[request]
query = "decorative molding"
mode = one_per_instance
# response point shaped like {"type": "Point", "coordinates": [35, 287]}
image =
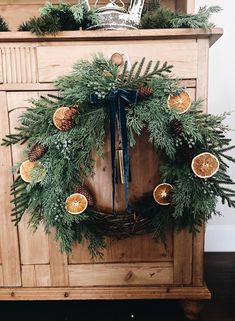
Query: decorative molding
{"type": "Point", "coordinates": [18, 65]}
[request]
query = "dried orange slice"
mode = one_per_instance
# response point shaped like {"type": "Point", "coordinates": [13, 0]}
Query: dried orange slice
{"type": "Point", "coordinates": [181, 102]}
{"type": "Point", "coordinates": [76, 203]}
{"type": "Point", "coordinates": [59, 115]}
{"type": "Point", "coordinates": [117, 59]}
{"type": "Point", "coordinates": [205, 165]}
{"type": "Point", "coordinates": [163, 193]}
{"type": "Point", "coordinates": [26, 171]}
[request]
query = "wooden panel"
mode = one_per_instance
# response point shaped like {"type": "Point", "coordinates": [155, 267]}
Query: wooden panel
{"type": "Point", "coordinates": [187, 6]}
{"type": "Point", "coordinates": [202, 79]}
{"type": "Point", "coordinates": [135, 249]}
{"type": "Point", "coordinates": [42, 275]}
{"type": "Point", "coordinates": [1, 276]}
{"type": "Point", "coordinates": [182, 257]}
{"type": "Point", "coordinates": [58, 263]}
{"type": "Point", "coordinates": [8, 234]}
{"type": "Point", "coordinates": [120, 274]}
{"type": "Point", "coordinates": [28, 275]}
{"type": "Point", "coordinates": [182, 54]}
{"type": "Point", "coordinates": [33, 246]}
{"type": "Point", "coordinates": [202, 91]}
{"type": "Point", "coordinates": [19, 64]}
{"type": "Point", "coordinates": [192, 92]}
{"type": "Point", "coordinates": [35, 275]}
{"type": "Point", "coordinates": [24, 12]}
{"type": "Point", "coordinates": [142, 181]}
{"type": "Point", "coordinates": [198, 258]}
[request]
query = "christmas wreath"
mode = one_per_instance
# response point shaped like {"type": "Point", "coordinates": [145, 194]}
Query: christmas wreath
{"type": "Point", "coordinates": [63, 132]}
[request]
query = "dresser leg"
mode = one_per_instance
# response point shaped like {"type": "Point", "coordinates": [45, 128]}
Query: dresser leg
{"type": "Point", "coordinates": [192, 309]}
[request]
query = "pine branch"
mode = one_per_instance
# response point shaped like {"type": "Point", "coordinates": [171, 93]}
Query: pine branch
{"type": "Point", "coordinates": [12, 139]}
{"type": "Point", "coordinates": [122, 77]}
{"type": "Point", "coordinates": [131, 72]}
{"type": "Point", "coordinates": [137, 74]}
{"type": "Point", "coordinates": [3, 25]}
{"type": "Point", "coordinates": [156, 17]}
{"type": "Point", "coordinates": [20, 199]}
{"type": "Point", "coordinates": [55, 18]}
{"type": "Point", "coordinates": [141, 77]}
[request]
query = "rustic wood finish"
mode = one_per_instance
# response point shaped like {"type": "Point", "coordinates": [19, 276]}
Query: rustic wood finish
{"type": "Point", "coordinates": [31, 266]}
{"type": "Point", "coordinates": [105, 293]}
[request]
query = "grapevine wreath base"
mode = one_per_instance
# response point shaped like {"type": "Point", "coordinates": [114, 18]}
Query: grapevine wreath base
{"type": "Point", "coordinates": [101, 97]}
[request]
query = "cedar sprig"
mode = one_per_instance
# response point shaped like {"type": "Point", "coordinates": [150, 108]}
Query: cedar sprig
{"type": "Point", "coordinates": [21, 199]}
{"type": "Point", "coordinates": [135, 79]}
{"type": "Point", "coordinates": [156, 17]}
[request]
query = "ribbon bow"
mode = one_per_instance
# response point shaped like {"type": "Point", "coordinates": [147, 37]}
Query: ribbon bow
{"type": "Point", "coordinates": [118, 99]}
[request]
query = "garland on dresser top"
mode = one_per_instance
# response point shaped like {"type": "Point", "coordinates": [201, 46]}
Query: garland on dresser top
{"type": "Point", "coordinates": [65, 16]}
{"type": "Point", "coordinates": [63, 132]}
{"type": "Point", "coordinates": [60, 17]}
{"type": "Point", "coordinates": [156, 17]}
{"type": "Point", "coordinates": [3, 25]}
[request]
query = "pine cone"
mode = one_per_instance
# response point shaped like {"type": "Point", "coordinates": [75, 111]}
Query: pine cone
{"type": "Point", "coordinates": [71, 112]}
{"type": "Point", "coordinates": [36, 152]}
{"type": "Point", "coordinates": [145, 92]}
{"type": "Point", "coordinates": [83, 190]}
{"type": "Point", "coordinates": [177, 127]}
{"type": "Point", "coordinates": [67, 122]}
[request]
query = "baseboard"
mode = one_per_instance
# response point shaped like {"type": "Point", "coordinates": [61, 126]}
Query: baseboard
{"type": "Point", "coordinates": [220, 238]}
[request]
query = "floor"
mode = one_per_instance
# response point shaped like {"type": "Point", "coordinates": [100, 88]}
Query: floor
{"type": "Point", "coordinates": [219, 275]}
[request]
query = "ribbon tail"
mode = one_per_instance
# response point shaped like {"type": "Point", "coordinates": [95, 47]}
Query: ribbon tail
{"type": "Point", "coordinates": [112, 118]}
{"type": "Point", "coordinates": [124, 136]}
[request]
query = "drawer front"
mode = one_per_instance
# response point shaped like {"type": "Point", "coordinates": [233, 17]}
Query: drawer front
{"type": "Point", "coordinates": [55, 61]}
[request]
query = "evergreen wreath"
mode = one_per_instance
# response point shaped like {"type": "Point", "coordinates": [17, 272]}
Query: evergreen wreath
{"type": "Point", "coordinates": [52, 180]}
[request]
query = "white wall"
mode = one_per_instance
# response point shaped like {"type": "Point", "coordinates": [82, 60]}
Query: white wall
{"type": "Point", "coordinates": [220, 231]}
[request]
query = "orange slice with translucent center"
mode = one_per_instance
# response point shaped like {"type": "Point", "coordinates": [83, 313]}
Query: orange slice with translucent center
{"type": "Point", "coordinates": [76, 203]}
{"type": "Point", "coordinates": [205, 165]}
{"type": "Point", "coordinates": [59, 116]}
{"type": "Point", "coordinates": [163, 193]}
{"type": "Point", "coordinates": [26, 171]}
{"type": "Point", "coordinates": [181, 102]}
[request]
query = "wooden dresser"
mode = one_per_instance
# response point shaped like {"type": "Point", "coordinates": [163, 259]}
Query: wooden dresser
{"type": "Point", "coordinates": [31, 266]}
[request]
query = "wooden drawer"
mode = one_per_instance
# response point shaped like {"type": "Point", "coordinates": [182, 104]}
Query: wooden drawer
{"type": "Point", "coordinates": [181, 54]}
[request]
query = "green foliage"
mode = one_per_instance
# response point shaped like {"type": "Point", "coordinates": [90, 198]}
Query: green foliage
{"type": "Point", "coordinates": [102, 76]}
{"type": "Point", "coordinates": [60, 17]}
{"type": "Point", "coordinates": [68, 160]}
{"type": "Point", "coordinates": [155, 17]}
{"type": "Point", "coordinates": [3, 25]}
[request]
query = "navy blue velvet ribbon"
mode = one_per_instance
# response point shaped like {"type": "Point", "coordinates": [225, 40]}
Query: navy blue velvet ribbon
{"type": "Point", "coordinates": [117, 100]}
